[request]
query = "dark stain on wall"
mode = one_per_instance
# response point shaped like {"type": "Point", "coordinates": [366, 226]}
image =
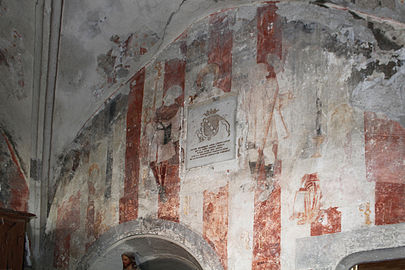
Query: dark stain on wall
{"type": "Point", "coordinates": [389, 69]}
{"type": "Point", "coordinates": [332, 44]}
{"type": "Point", "coordinates": [384, 43]}
{"type": "Point", "coordinates": [268, 169]}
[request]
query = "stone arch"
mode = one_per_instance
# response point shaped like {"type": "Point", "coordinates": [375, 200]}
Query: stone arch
{"type": "Point", "coordinates": [185, 241]}
{"type": "Point", "coordinates": [371, 256]}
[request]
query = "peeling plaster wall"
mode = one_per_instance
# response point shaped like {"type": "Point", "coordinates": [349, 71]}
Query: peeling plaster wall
{"type": "Point", "coordinates": [16, 78]}
{"type": "Point", "coordinates": [13, 185]}
{"type": "Point", "coordinates": [319, 135]}
{"type": "Point", "coordinates": [104, 43]}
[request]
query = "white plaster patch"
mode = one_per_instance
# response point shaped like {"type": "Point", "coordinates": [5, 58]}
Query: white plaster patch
{"type": "Point", "coordinates": [118, 169]}
{"type": "Point", "coordinates": [191, 209]}
{"type": "Point", "coordinates": [240, 227]}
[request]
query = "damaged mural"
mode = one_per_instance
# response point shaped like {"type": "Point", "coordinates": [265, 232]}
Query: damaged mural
{"type": "Point", "coordinates": [14, 190]}
{"type": "Point", "coordinates": [318, 137]}
{"type": "Point", "coordinates": [291, 116]}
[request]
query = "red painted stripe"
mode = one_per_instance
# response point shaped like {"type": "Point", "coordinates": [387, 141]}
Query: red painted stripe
{"type": "Point", "coordinates": [62, 251]}
{"type": "Point", "coordinates": [384, 155]}
{"type": "Point", "coordinates": [167, 172]}
{"type": "Point", "coordinates": [269, 36]}
{"type": "Point", "coordinates": [267, 216]}
{"type": "Point", "coordinates": [389, 203]}
{"type": "Point", "coordinates": [90, 213]}
{"type": "Point", "coordinates": [175, 74]}
{"type": "Point", "coordinates": [220, 50]}
{"type": "Point", "coordinates": [215, 218]}
{"type": "Point", "coordinates": [267, 230]}
{"type": "Point", "coordinates": [169, 199]}
{"type": "Point", "coordinates": [19, 192]}
{"type": "Point", "coordinates": [13, 155]}
{"type": "Point", "coordinates": [384, 149]}
{"type": "Point", "coordinates": [67, 221]}
{"type": "Point", "coordinates": [129, 202]}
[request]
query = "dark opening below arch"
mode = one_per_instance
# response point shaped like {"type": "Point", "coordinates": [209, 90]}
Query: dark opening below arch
{"type": "Point", "coordinates": [159, 244]}
{"type": "Point", "coordinates": [152, 252]}
{"type": "Point", "coordinates": [371, 256]}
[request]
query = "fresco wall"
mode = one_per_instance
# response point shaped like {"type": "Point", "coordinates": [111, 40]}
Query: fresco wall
{"type": "Point", "coordinates": [319, 138]}
{"type": "Point", "coordinates": [17, 32]}
{"type": "Point", "coordinates": [14, 191]}
{"type": "Point", "coordinates": [16, 62]}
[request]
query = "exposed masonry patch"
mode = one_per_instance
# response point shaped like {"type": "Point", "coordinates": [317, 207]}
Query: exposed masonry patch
{"type": "Point", "coordinates": [337, 44]}
{"type": "Point", "coordinates": [388, 69]}
{"type": "Point", "coordinates": [346, 26]}
{"type": "Point", "coordinates": [384, 43]}
{"type": "Point", "coordinates": [382, 95]}
{"type": "Point", "coordinates": [374, 48]}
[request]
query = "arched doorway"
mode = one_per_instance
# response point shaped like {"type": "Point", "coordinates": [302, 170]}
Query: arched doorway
{"type": "Point", "coordinates": [159, 244]}
{"type": "Point", "coordinates": [152, 253]}
{"type": "Point", "coordinates": [373, 256]}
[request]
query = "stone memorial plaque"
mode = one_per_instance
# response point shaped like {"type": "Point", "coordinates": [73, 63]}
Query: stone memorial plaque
{"type": "Point", "coordinates": [211, 132]}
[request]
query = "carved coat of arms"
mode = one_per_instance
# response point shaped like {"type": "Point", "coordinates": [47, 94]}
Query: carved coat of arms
{"type": "Point", "coordinates": [210, 125]}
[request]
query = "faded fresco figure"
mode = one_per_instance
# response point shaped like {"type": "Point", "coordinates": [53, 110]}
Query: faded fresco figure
{"type": "Point", "coordinates": [129, 261]}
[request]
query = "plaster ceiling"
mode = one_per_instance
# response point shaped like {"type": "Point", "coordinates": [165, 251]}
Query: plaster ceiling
{"type": "Point", "coordinates": [103, 43]}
